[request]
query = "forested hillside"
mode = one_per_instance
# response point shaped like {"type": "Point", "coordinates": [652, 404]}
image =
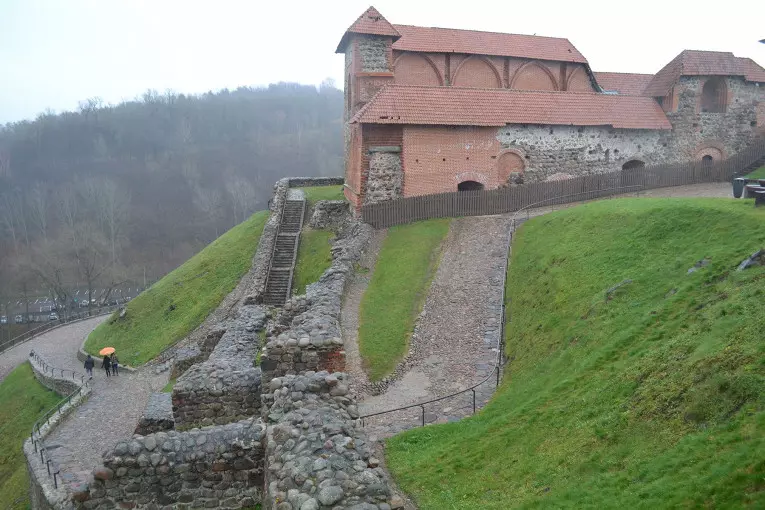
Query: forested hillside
{"type": "Point", "coordinates": [101, 194]}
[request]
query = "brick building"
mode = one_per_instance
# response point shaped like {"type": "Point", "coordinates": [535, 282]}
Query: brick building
{"type": "Point", "coordinates": [430, 110]}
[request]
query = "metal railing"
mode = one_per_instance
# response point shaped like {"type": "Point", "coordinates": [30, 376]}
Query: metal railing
{"type": "Point", "coordinates": [36, 435]}
{"type": "Point", "coordinates": [28, 335]}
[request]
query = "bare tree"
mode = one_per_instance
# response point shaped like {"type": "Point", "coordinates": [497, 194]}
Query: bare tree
{"type": "Point", "coordinates": [37, 200]}
{"type": "Point", "coordinates": [8, 217]}
{"type": "Point", "coordinates": [242, 196]}
{"type": "Point", "coordinates": [210, 203]}
{"type": "Point", "coordinates": [110, 205]}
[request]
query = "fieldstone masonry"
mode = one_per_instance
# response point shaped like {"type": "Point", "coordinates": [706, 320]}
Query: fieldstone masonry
{"type": "Point", "coordinates": [329, 214]}
{"type": "Point", "coordinates": [386, 177]}
{"type": "Point", "coordinates": [374, 55]}
{"type": "Point", "coordinates": [226, 387]}
{"type": "Point", "coordinates": [157, 416]}
{"type": "Point", "coordinates": [211, 467]}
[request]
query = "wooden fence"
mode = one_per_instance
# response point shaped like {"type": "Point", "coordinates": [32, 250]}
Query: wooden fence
{"type": "Point", "coordinates": [505, 200]}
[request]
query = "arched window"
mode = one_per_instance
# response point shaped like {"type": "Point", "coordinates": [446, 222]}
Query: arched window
{"type": "Point", "coordinates": [714, 96]}
{"type": "Point", "coordinates": [633, 164]}
{"type": "Point", "coordinates": [469, 186]}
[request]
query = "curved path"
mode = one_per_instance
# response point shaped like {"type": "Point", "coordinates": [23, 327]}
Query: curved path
{"type": "Point", "coordinates": [110, 414]}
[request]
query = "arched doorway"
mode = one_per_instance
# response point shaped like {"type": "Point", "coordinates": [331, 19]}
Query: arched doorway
{"type": "Point", "coordinates": [707, 160]}
{"type": "Point", "coordinates": [469, 186]}
{"type": "Point", "coordinates": [714, 95]}
{"type": "Point", "coordinates": [633, 164]}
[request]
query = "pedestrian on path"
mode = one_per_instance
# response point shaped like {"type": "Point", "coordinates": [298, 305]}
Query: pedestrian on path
{"type": "Point", "coordinates": [106, 365]}
{"type": "Point", "coordinates": [89, 364]}
{"type": "Point", "coordinates": [115, 364]}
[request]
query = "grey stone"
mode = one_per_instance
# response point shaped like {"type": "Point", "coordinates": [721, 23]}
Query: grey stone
{"type": "Point", "coordinates": [330, 495]}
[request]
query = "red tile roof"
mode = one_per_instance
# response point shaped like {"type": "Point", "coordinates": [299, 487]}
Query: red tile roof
{"type": "Point", "coordinates": [372, 23]}
{"type": "Point", "coordinates": [456, 106]}
{"type": "Point", "coordinates": [702, 63]}
{"type": "Point", "coordinates": [450, 40]}
{"type": "Point", "coordinates": [630, 84]}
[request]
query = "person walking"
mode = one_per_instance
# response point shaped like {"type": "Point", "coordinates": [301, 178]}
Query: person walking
{"type": "Point", "coordinates": [115, 364]}
{"type": "Point", "coordinates": [107, 365]}
{"type": "Point", "coordinates": [89, 364]}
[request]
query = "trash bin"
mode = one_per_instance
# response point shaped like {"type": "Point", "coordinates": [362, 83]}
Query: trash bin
{"type": "Point", "coordinates": [738, 186]}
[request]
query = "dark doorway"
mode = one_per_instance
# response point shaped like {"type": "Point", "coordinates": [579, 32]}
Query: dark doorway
{"type": "Point", "coordinates": [633, 164]}
{"type": "Point", "coordinates": [469, 186]}
{"type": "Point", "coordinates": [707, 159]}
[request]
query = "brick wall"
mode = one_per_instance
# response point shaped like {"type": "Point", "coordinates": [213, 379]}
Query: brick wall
{"type": "Point", "coordinates": [436, 159]}
{"type": "Point", "coordinates": [534, 76]}
{"type": "Point", "coordinates": [577, 80]}
{"type": "Point", "coordinates": [375, 135]}
{"type": "Point", "coordinates": [476, 71]}
{"type": "Point", "coordinates": [416, 69]}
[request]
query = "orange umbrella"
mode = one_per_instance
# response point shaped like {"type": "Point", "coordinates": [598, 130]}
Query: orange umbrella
{"type": "Point", "coordinates": [106, 350]}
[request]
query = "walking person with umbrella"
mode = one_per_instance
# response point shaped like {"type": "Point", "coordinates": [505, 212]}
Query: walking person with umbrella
{"type": "Point", "coordinates": [107, 363]}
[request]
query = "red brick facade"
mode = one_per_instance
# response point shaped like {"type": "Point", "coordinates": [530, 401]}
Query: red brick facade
{"type": "Point", "coordinates": [449, 106]}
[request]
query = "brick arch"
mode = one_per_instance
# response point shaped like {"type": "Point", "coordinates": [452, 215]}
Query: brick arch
{"type": "Point", "coordinates": [578, 81]}
{"type": "Point", "coordinates": [477, 71]}
{"type": "Point", "coordinates": [471, 176]}
{"type": "Point", "coordinates": [417, 71]}
{"type": "Point", "coordinates": [714, 148]}
{"type": "Point", "coordinates": [534, 76]}
{"type": "Point", "coordinates": [509, 161]}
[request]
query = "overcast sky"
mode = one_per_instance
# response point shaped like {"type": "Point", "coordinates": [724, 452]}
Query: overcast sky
{"type": "Point", "coordinates": [54, 53]}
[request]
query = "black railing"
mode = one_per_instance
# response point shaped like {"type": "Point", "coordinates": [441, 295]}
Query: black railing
{"type": "Point", "coordinates": [36, 436]}
{"type": "Point", "coordinates": [28, 335]}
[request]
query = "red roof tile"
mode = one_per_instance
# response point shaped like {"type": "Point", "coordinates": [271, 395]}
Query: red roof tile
{"type": "Point", "coordinates": [702, 63]}
{"type": "Point", "coordinates": [450, 40]}
{"type": "Point", "coordinates": [372, 23]}
{"type": "Point", "coordinates": [456, 106]}
{"type": "Point", "coordinates": [630, 84]}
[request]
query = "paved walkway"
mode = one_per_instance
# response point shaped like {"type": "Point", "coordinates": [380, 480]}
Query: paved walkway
{"type": "Point", "coordinates": [110, 414]}
{"type": "Point", "coordinates": [456, 335]}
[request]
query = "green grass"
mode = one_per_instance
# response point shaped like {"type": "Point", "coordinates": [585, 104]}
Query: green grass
{"type": "Point", "coordinates": [758, 174]}
{"type": "Point", "coordinates": [314, 257]}
{"type": "Point", "coordinates": [169, 386]}
{"type": "Point", "coordinates": [316, 193]}
{"type": "Point", "coordinates": [654, 398]}
{"type": "Point", "coordinates": [22, 401]}
{"type": "Point", "coordinates": [180, 301]}
{"type": "Point", "coordinates": [395, 295]}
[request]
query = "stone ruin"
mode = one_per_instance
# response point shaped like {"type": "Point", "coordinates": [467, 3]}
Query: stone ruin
{"type": "Point", "coordinates": [283, 434]}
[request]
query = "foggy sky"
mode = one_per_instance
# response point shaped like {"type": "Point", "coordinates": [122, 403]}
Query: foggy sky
{"type": "Point", "coordinates": [55, 53]}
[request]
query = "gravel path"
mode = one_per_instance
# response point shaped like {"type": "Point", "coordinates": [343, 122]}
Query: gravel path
{"type": "Point", "coordinates": [349, 315]}
{"type": "Point", "coordinates": [456, 335]}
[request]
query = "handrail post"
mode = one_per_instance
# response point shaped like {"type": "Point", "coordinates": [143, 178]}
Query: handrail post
{"type": "Point", "coordinates": [473, 390]}
{"type": "Point", "coordinates": [423, 415]}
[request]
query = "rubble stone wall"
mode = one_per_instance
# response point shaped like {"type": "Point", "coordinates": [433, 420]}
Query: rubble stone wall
{"type": "Point", "coordinates": [211, 467]}
{"type": "Point", "coordinates": [225, 387]}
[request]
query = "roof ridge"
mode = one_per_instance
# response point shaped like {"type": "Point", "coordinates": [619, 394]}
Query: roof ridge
{"type": "Point", "coordinates": [497, 89]}
{"type": "Point", "coordinates": [483, 31]}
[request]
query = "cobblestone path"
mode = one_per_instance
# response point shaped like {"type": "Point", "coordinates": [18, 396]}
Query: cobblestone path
{"type": "Point", "coordinates": [456, 335]}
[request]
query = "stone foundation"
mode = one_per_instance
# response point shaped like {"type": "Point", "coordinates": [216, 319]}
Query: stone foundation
{"type": "Point", "coordinates": [329, 214]}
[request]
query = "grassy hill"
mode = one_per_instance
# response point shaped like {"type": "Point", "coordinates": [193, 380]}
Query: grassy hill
{"type": "Point", "coordinates": [181, 301]}
{"type": "Point", "coordinates": [652, 396]}
{"type": "Point", "coordinates": [22, 401]}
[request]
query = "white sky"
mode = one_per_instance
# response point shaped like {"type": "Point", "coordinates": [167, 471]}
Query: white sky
{"type": "Point", "coordinates": [54, 53]}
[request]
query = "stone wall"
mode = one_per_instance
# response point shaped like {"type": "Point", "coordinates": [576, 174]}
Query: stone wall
{"type": "Point", "coordinates": [305, 182]}
{"type": "Point", "coordinates": [212, 467]}
{"type": "Point", "coordinates": [260, 262]}
{"type": "Point", "coordinates": [157, 416]}
{"type": "Point", "coordinates": [579, 151]}
{"type": "Point", "coordinates": [731, 131]}
{"type": "Point", "coordinates": [329, 214]}
{"type": "Point", "coordinates": [374, 53]}
{"type": "Point", "coordinates": [225, 387]}
{"type": "Point", "coordinates": [307, 332]}
{"type": "Point", "coordinates": [316, 457]}
{"type": "Point", "coordinates": [386, 176]}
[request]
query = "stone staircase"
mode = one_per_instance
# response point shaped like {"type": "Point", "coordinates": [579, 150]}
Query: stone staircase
{"type": "Point", "coordinates": [282, 268]}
